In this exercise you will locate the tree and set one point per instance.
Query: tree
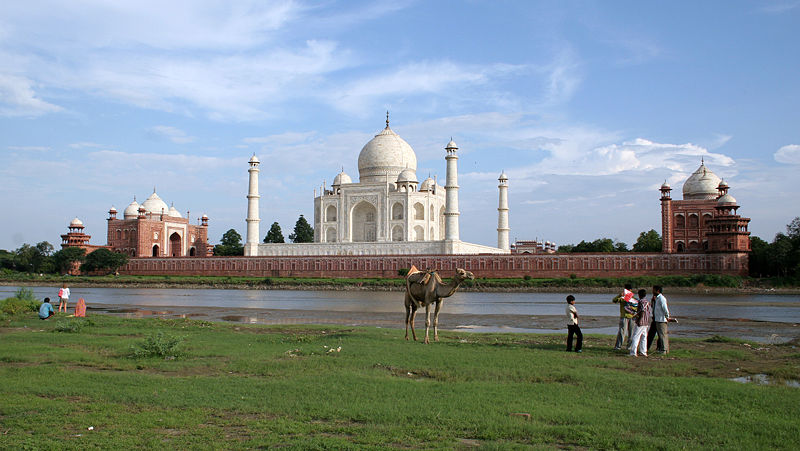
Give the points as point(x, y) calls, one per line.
point(64, 259)
point(34, 258)
point(230, 244)
point(759, 261)
point(598, 245)
point(274, 235)
point(303, 232)
point(103, 260)
point(793, 228)
point(649, 241)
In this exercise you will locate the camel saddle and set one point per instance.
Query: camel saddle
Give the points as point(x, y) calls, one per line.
point(418, 276)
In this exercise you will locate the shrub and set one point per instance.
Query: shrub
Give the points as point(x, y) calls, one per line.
point(159, 345)
point(23, 301)
point(73, 325)
point(402, 272)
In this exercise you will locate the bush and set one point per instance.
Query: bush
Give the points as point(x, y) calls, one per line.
point(23, 301)
point(159, 345)
point(402, 272)
point(73, 325)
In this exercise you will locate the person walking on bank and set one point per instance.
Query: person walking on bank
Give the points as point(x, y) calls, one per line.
point(63, 297)
point(661, 318)
point(642, 323)
point(625, 318)
point(572, 325)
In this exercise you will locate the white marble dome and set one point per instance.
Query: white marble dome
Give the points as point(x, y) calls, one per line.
point(132, 210)
point(155, 205)
point(173, 212)
point(407, 176)
point(341, 178)
point(726, 199)
point(701, 185)
point(76, 223)
point(427, 184)
point(387, 154)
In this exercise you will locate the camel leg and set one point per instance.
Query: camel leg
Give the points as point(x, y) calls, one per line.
point(409, 304)
point(413, 317)
point(427, 321)
point(436, 320)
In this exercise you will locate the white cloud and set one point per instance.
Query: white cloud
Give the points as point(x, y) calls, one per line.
point(29, 148)
point(85, 145)
point(18, 98)
point(175, 135)
point(788, 154)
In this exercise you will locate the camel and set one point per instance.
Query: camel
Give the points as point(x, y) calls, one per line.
point(426, 288)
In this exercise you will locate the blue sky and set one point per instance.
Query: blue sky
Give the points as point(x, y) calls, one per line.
point(587, 106)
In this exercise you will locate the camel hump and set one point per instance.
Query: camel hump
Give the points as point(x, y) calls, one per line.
point(419, 277)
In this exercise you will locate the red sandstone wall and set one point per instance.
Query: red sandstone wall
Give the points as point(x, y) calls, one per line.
point(547, 265)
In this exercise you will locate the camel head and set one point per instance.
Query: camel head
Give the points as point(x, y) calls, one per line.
point(462, 274)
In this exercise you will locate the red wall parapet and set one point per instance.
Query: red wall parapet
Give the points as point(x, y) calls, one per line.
point(494, 266)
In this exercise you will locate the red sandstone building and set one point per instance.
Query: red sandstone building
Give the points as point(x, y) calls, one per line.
point(706, 220)
point(148, 230)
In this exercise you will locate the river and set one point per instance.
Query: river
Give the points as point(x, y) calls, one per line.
point(510, 312)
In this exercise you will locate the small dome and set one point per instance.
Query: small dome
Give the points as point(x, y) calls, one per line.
point(173, 212)
point(406, 176)
point(154, 205)
point(132, 210)
point(112, 209)
point(254, 159)
point(723, 184)
point(427, 184)
point(204, 216)
point(341, 178)
point(76, 223)
point(701, 185)
point(726, 199)
point(387, 154)
point(665, 185)
point(451, 145)
point(503, 176)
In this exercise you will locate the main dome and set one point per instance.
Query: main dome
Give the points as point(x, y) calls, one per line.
point(701, 185)
point(154, 205)
point(387, 154)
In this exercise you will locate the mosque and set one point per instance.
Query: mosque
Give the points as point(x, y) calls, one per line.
point(149, 229)
point(706, 220)
point(387, 212)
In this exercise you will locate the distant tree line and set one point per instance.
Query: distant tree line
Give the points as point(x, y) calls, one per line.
point(41, 259)
point(649, 241)
point(781, 257)
point(231, 242)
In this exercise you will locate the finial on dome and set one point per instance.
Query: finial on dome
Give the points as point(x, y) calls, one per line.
point(387, 118)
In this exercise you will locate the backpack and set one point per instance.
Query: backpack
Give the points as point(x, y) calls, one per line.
point(60, 293)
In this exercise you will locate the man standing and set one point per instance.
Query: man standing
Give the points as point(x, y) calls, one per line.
point(661, 317)
point(625, 319)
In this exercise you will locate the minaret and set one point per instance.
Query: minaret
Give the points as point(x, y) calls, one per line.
point(502, 213)
point(451, 193)
point(666, 219)
point(251, 245)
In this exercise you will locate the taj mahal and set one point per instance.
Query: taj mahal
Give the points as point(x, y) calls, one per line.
point(387, 212)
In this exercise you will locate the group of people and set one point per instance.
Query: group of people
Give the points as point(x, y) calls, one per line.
point(640, 320)
point(46, 309)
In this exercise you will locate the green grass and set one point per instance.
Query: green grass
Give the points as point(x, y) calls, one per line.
point(237, 386)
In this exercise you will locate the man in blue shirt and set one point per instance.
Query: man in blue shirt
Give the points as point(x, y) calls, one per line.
point(46, 309)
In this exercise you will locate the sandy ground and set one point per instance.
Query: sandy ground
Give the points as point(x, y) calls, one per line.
point(761, 331)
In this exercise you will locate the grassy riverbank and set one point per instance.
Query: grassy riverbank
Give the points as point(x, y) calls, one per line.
point(233, 386)
point(698, 283)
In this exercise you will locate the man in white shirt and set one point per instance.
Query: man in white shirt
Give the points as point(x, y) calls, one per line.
point(661, 317)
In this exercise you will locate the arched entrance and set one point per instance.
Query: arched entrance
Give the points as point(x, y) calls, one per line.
point(155, 250)
point(364, 225)
point(191, 252)
point(175, 245)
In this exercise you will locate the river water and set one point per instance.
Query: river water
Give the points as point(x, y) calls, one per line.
point(471, 310)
